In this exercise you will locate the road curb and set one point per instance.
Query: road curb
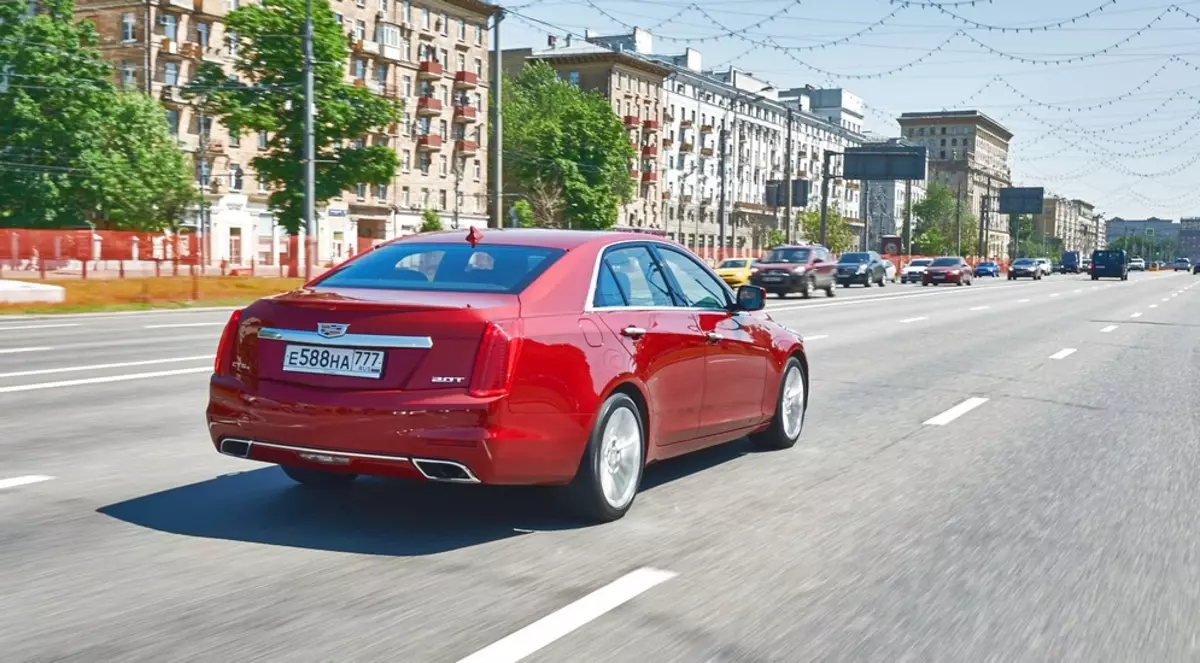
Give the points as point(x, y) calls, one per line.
point(115, 314)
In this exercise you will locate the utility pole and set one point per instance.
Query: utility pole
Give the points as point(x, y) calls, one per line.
point(826, 160)
point(790, 220)
point(310, 159)
point(958, 217)
point(985, 214)
point(866, 210)
point(908, 217)
point(721, 196)
point(497, 143)
point(459, 164)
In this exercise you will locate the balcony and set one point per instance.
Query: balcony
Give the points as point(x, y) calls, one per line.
point(214, 146)
point(172, 94)
point(667, 143)
point(191, 50)
point(465, 114)
point(666, 195)
point(429, 143)
point(466, 148)
point(632, 122)
point(366, 46)
point(650, 125)
point(429, 70)
point(465, 80)
point(706, 201)
point(706, 129)
point(429, 106)
point(650, 151)
point(649, 176)
point(706, 151)
point(686, 124)
point(635, 174)
point(687, 197)
point(686, 147)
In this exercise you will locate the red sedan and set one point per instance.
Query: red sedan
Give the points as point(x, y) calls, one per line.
point(947, 270)
point(507, 357)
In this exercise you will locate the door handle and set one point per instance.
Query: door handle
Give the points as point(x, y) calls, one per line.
point(633, 332)
point(713, 337)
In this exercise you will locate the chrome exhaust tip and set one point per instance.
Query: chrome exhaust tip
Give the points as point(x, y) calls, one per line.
point(237, 448)
point(444, 470)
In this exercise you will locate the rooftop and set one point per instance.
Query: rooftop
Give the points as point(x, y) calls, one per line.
point(935, 116)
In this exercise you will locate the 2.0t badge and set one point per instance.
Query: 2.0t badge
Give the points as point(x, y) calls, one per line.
point(439, 379)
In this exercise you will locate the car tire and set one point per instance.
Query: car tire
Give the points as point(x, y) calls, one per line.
point(318, 478)
point(829, 291)
point(867, 283)
point(846, 285)
point(595, 493)
point(1095, 278)
point(807, 288)
point(790, 408)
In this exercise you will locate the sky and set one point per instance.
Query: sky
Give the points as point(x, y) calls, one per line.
point(1102, 96)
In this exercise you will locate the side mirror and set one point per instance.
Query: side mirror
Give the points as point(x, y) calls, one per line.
point(751, 298)
point(817, 261)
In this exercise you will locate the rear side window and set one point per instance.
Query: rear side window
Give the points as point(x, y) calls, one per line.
point(446, 267)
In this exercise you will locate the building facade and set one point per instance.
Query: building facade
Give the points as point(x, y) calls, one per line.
point(431, 55)
point(634, 87)
point(1153, 227)
point(1071, 221)
point(1189, 239)
point(884, 202)
point(967, 151)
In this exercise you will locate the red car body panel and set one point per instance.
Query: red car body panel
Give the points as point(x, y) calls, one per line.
point(696, 391)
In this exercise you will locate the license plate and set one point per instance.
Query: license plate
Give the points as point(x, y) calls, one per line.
point(939, 276)
point(772, 277)
point(346, 362)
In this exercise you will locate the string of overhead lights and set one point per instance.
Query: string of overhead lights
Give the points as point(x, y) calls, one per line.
point(726, 31)
point(1073, 58)
point(952, 3)
point(1106, 132)
point(941, 8)
point(1082, 108)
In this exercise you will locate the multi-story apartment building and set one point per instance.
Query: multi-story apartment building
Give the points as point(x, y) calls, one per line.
point(699, 105)
point(1071, 221)
point(1154, 227)
point(429, 54)
point(967, 151)
point(1189, 238)
point(634, 87)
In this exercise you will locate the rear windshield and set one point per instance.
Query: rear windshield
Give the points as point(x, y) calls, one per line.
point(787, 255)
point(855, 257)
point(732, 264)
point(945, 262)
point(445, 267)
point(1024, 261)
point(919, 263)
point(1108, 256)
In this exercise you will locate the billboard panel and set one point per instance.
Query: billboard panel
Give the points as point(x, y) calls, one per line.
point(776, 195)
point(885, 162)
point(1022, 200)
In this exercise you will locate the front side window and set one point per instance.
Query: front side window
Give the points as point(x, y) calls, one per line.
point(699, 288)
point(637, 277)
point(445, 267)
point(855, 258)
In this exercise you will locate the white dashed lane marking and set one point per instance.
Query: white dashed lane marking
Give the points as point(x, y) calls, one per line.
point(908, 320)
point(956, 412)
point(1063, 354)
point(23, 481)
point(1108, 329)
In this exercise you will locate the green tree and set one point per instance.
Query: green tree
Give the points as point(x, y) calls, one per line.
point(775, 238)
point(560, 138)
point(431, 222)
point(839, 236)
point(524, 212)
point(73, 148)
point(941, 210)
point(268, 96)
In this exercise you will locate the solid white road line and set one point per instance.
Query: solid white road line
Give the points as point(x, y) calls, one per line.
point(1063, 354)
point(103, 380)
point(1136, 315)
point(23, 481)
point(956, 411)
point(22, 327)
point(98, 367)
point(979, 308)
point(1077, 291)
point(562, 622)
point(1166, 299)
point(116, 314)
point(892, 298)
point(13, 351)
point(908, 320)
point(1154, 306)
point(816, 338)
point(1055, 294)
point(184, 324)
point(1108, 329)
point(1023, 301)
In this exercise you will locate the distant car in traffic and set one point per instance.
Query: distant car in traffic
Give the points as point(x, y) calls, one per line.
point(889, 270)
point(988, 268)
point(1070, 263)
point(516, 357)
point(1109, 264)
point(1045, 266)
point(800, 269)
point(861, 267)
point(1025, 268)
point(913, 270)
point(1137, 265)
point(1184, 264)
point(947, 269)
point(735, 272)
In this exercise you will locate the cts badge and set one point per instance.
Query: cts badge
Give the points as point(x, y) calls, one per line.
point(438, 379)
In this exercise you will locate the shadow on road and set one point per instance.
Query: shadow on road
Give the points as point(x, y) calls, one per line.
point(376, 516)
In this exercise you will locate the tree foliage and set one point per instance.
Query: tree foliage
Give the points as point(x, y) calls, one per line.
point(524, 213)
point(563, 139)
point(431, 222)
point(839, 235)
point(775, 238)
point(268, 96)
point(73, 148)
point(938, 220)
point(1146, 246)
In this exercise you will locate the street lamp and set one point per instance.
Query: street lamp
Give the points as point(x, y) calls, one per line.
point(724, 148)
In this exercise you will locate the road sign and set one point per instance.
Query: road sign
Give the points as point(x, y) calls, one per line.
point(884, 162)
point(1022, 200)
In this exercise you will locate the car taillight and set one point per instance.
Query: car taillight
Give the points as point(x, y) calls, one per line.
point(496, 359)
point(224, 360)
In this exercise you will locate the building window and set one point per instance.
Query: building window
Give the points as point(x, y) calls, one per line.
point(404, 197)
point(231, 43)
point(442, 165)
point(128, 28)
point(388, 35)
point(442, 199)
point(462, 62)
point(360, 30)
point(360, 69)
point(381, 73)
point(573, 78)
point(442, 129)
point(128, 75)
point(443, 25)
point(423, 162)
point(171, 73)
point(406, 86)
point(235, 138)
point(462, 30)
point(478, 35)
point(479, 68)
point(405, 160)
point(203, 32)
point(169, 24)
point(263, 142)
point(406, 12)
point(339, 19)
point(381, 191)
point(235, 177)
point(262, 183)
point(478, 170)
point(360, 190)
point(424, 18)
point(173, 121)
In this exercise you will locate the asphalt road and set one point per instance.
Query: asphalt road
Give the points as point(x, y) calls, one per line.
point(1005, 472)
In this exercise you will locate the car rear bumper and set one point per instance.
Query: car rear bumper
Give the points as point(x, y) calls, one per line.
point(855, 278)
point(447, 436)
point(949, 278)
point(910, 278)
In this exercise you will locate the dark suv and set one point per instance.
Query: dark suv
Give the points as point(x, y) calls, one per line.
point(802, 268)
point(865, 267)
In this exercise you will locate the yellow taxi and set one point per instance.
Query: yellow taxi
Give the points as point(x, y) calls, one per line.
point(736, 271)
